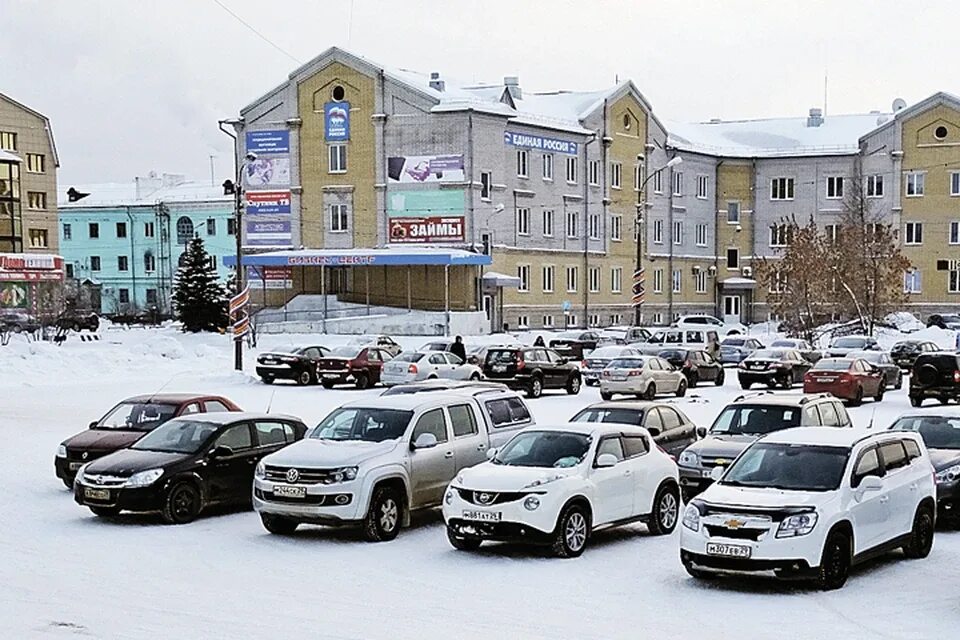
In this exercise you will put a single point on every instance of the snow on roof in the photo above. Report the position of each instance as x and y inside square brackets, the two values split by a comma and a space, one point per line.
[775, 137]
[6, 156]
[142, 191]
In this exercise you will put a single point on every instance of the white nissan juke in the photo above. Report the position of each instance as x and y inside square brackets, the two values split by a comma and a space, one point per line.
[555, 485]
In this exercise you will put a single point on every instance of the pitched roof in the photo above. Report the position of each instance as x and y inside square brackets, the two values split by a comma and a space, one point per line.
[46, 121]
[142, 191]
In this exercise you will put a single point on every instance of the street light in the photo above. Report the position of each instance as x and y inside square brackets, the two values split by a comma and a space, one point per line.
[641, 198]
[237, 125]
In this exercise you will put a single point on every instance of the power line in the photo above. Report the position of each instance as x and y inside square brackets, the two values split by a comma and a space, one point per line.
[257, 33]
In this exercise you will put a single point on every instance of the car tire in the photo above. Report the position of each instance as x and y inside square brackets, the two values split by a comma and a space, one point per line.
[362, 381]
[327, 384]
[463, 543]
[182, 504]
[666, 510]
[879, 396]
[105, 512]
[899, 383]
[535, 390]
[573, 385]
[857, 399]
[304, 378]
[693, 380]
[383, 519]
[916, 401]
[927, 374]
[606, 396]
[834, 562]
[921, 536]
[267, 379]
[591, 383]
[944, 400]
[745, 385]
[76, 327]
[720, 378]
[650, 392]
[682, 388]
[572, 531]
[786, 380]
[67, 483]
[475, 377]
[278, 525]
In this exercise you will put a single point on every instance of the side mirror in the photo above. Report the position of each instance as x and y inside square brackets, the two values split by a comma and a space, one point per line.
[869, 483]
[606, 460]
[563, 360]
[717, 472]
[491, 453]
[92, 425]
[222, 451]
[701, 432]
[424, 441]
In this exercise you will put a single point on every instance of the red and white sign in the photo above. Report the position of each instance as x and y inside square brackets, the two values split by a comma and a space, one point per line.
[270, 277]
[428, 229]
[28, 267]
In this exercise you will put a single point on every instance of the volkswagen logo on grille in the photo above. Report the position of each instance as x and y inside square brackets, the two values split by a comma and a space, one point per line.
[84, 455]
[485, 498]
[292, 475]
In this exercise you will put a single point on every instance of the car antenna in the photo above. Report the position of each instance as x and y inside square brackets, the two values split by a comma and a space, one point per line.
[270, 401]
[870, 426]
[162, 387]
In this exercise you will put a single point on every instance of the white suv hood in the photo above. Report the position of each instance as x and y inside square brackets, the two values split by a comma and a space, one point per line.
[497, 477]
[328, 454]
[718, 494]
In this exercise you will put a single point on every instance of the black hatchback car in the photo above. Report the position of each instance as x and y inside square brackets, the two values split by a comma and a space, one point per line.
[696, 365]
[185, 465]
[532, 369]
[773, 367]
[298, 364]
[905, 352]
[935, 375]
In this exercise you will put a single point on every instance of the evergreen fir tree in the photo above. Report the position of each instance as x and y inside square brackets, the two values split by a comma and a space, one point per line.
[199, 299]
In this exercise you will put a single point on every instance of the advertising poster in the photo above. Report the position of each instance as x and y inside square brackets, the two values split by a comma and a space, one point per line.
[267, 202]
[422, 169]
[273, 141]
[269, 277]
[336, 118]
[552, 145]
[268, 171]
[425, 216]
[14, 295]
[273, 233]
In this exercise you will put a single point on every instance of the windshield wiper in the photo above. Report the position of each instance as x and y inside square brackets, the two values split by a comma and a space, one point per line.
[736, 483]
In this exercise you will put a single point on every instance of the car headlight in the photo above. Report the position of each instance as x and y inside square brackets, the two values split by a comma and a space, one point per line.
[80, 472]
[343, 474]
[949, 474]
[62, 451]
[689, 459]
[261, 470]
[144, 478]
[449, 497]
[542, 481]
[532, 503]
[797, 525]
[691, 518]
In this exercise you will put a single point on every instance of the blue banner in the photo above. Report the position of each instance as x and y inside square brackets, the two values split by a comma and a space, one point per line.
[272, 141]
[273, 233]
[541, 143]
[336, 118]
[267, 202]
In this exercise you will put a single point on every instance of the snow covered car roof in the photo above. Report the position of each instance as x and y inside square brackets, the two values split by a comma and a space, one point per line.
[592, 428]
[824, 436]
[224, 417]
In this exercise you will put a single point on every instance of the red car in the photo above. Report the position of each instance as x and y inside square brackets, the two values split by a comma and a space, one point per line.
[358, 365]
[850, 379]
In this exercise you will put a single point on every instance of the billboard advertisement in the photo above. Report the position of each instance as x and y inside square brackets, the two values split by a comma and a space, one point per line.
[421, 169]
[268, 141]
[425, 216]
[336, 118]
[270, 277]
[540, 143]
[267, 202]
[272, 233]
[14, 295]
[268, 171]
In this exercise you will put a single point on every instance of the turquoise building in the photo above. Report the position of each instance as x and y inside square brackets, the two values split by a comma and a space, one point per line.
[123, 241]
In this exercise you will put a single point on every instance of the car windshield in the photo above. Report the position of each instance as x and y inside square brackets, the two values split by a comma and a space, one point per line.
[938, 432]
[503, 356]
[734, 342]
[363, 423]
[409, 356]
[607, 352]
[434, 346]
[774, 354]
[849, 343]
[177, 436]
[344, 352]
[626, 363]
[544, 449]
[673, 354]
[755, 419]
[906, 346]
[789, 344]
[789, 467]
[869, 356]
[601, 414]
[833, 364]
[139, 416]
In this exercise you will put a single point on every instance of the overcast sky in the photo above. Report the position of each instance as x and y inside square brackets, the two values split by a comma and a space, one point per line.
[138, 85]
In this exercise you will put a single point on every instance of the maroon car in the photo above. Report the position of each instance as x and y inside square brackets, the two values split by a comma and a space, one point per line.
[850, 379]
[128, 422]
[352, 364]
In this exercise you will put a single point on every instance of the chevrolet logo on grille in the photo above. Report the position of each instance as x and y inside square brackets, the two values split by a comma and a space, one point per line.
[734, 523]
[721, 462]
[292, 475]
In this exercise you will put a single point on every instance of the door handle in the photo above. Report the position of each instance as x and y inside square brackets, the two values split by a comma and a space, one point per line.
[448, 454]
[884, 498]
[913, 487]
[481, 447]
[627, 472]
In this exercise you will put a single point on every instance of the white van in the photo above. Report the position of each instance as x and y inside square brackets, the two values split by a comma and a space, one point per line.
[700, 339]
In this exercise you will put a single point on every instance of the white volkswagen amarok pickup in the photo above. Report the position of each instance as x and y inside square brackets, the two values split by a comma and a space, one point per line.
[811, 502]
[371, 462]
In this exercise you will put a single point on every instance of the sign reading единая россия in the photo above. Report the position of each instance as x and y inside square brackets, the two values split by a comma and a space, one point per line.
[540, 143]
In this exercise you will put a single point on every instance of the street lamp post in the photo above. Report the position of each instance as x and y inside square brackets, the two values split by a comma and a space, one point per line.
[639, 221]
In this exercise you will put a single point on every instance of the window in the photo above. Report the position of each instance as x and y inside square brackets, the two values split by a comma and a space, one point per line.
[211, 226]
[338, 218]
[700, 281]
[149, 262]
[954, 232]
[875, 186]
[523, 221]
[121, 229]
[779, 235]
[148, 230]
[507, 411]
[522, 160]
[701, 235]
[831, 231]
[35, 163]
[548, 223]
[213, 261]
[486, 185]
[953, 282]
[151, 296]
[702, 187]
[915, 184]
[462, 419]
[637, 176]
[894, 455]
[594, 320]
[658, 182]
[733, 258]
[867, 465]
[778, 283]
[678, 183]
[571, 224]
[523, 272]
[616, 227]
[677, 280]
[68, 269]
[912, 281]
[548, 278]
[570, 320]
[593, 169]
[955, 183]
[184, 230]
[658, 280]
[658, 232]
[547, 322]
[268, 433]
[616, 279]
[231, 226]
[594, 225]
[67, 231]
[616, 318]
[8, 141]
[573, 276]
[94, 263]
[38, 239]
[658, 318]
[914, 233]
[733, 213]
[593, 279]
[616, 174]
[572, 170]
[548, 167]
[781, 189]
[338, 158]
[122, 263]
[123, 296]
[834, 187]
[36, 200]
[237, 438]
[678, 232]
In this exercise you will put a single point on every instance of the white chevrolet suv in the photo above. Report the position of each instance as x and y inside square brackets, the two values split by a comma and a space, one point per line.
[811, 502]
[555, 485]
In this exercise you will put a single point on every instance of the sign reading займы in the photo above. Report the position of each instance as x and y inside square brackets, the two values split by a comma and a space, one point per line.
[425, 216]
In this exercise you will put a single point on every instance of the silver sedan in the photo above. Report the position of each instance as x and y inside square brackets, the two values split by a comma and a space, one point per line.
[413, 366]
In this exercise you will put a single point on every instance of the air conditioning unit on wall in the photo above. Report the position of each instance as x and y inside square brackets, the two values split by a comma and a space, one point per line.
[696, 269]
[747, 272]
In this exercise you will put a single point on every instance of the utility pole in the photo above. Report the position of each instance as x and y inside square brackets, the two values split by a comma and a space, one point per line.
[638, 274]
[238, 217]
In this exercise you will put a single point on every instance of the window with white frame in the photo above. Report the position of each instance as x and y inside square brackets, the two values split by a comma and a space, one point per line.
[677, 280]
[571, 169]
[548, 278]
[523, 221]
[779, 235]
[573, 278]
[778, 282]
[701, 235]
[35, 163]
[912, 281]
[523, 272]
[953, 282]
[523, 162]
[915, 184]
[523, 322]
[339, 218]
[637, 176]
[594, 225]
[658, 232]
[658, 318]
[572, 224]
[593, 279]
[702, 187]
[834, 187]
[700, 281]
[593, 169]
[733, 212]
[913, 233]
[678, 232]
[616, 319]
[954, 237]
[733, 258]
[149, 263]
[678, 183]
[548, 167]
[616, 279]
[547, 321]
[616, 227]
[571, 320]
[658, 280]
[875, 186]
[658, 182]
[955, 183]
[148, 229]
[831, 231]
[338, 158]
[781, 189]
[548, 223]
[616, 174]
[486, 185]
[594, 320]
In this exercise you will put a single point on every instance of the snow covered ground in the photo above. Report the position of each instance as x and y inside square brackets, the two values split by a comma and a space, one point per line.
[66, 573]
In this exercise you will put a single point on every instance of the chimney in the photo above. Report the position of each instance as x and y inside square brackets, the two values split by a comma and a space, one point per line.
[512, 83]
[815, 119]
[435, 82]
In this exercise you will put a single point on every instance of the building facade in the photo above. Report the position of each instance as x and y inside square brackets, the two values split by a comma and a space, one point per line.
[28, 180]
[126, 240]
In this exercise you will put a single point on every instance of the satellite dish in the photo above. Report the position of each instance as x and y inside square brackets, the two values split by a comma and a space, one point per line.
[899, 104]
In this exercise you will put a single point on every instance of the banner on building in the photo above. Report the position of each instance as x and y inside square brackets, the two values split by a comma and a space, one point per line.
[540, 143]
[423, 169]
[269, 233]
[14, 295]
[272, 141]
[336, 118]
[267, 202]
[267, 171]
[426, 216]
[270, 277]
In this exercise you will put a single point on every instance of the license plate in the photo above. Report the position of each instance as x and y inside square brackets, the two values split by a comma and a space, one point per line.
[618, 378]
[757, 366]
[73, 466]
[707, 473]
[482, 516]
[728, 550]
[290, 492]
[499, 368]
[823, 379]
[96, 494]
[331, 376]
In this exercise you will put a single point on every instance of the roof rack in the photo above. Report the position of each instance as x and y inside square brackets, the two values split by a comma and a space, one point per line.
[753, 395]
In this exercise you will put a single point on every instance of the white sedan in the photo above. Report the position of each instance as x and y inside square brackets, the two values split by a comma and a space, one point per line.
[641, 376]
[556, 485]
[413, 366]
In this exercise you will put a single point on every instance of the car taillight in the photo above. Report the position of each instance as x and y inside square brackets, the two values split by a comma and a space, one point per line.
[956, 376]
[634, 372]
[521, 364]
[687, 363]
[606, 374]
[584, 364]
[412, 368]
[845, 377]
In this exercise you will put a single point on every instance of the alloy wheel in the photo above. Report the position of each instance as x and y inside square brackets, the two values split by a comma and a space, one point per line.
[575, 533]
[668, 511]
[388, 515]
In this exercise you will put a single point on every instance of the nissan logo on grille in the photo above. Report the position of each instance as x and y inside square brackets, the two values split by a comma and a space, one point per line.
[292, 475]
[483, 497]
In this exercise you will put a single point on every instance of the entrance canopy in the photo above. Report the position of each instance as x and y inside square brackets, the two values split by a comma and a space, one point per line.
[738, 283]
[362, 257]
[494, 279]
